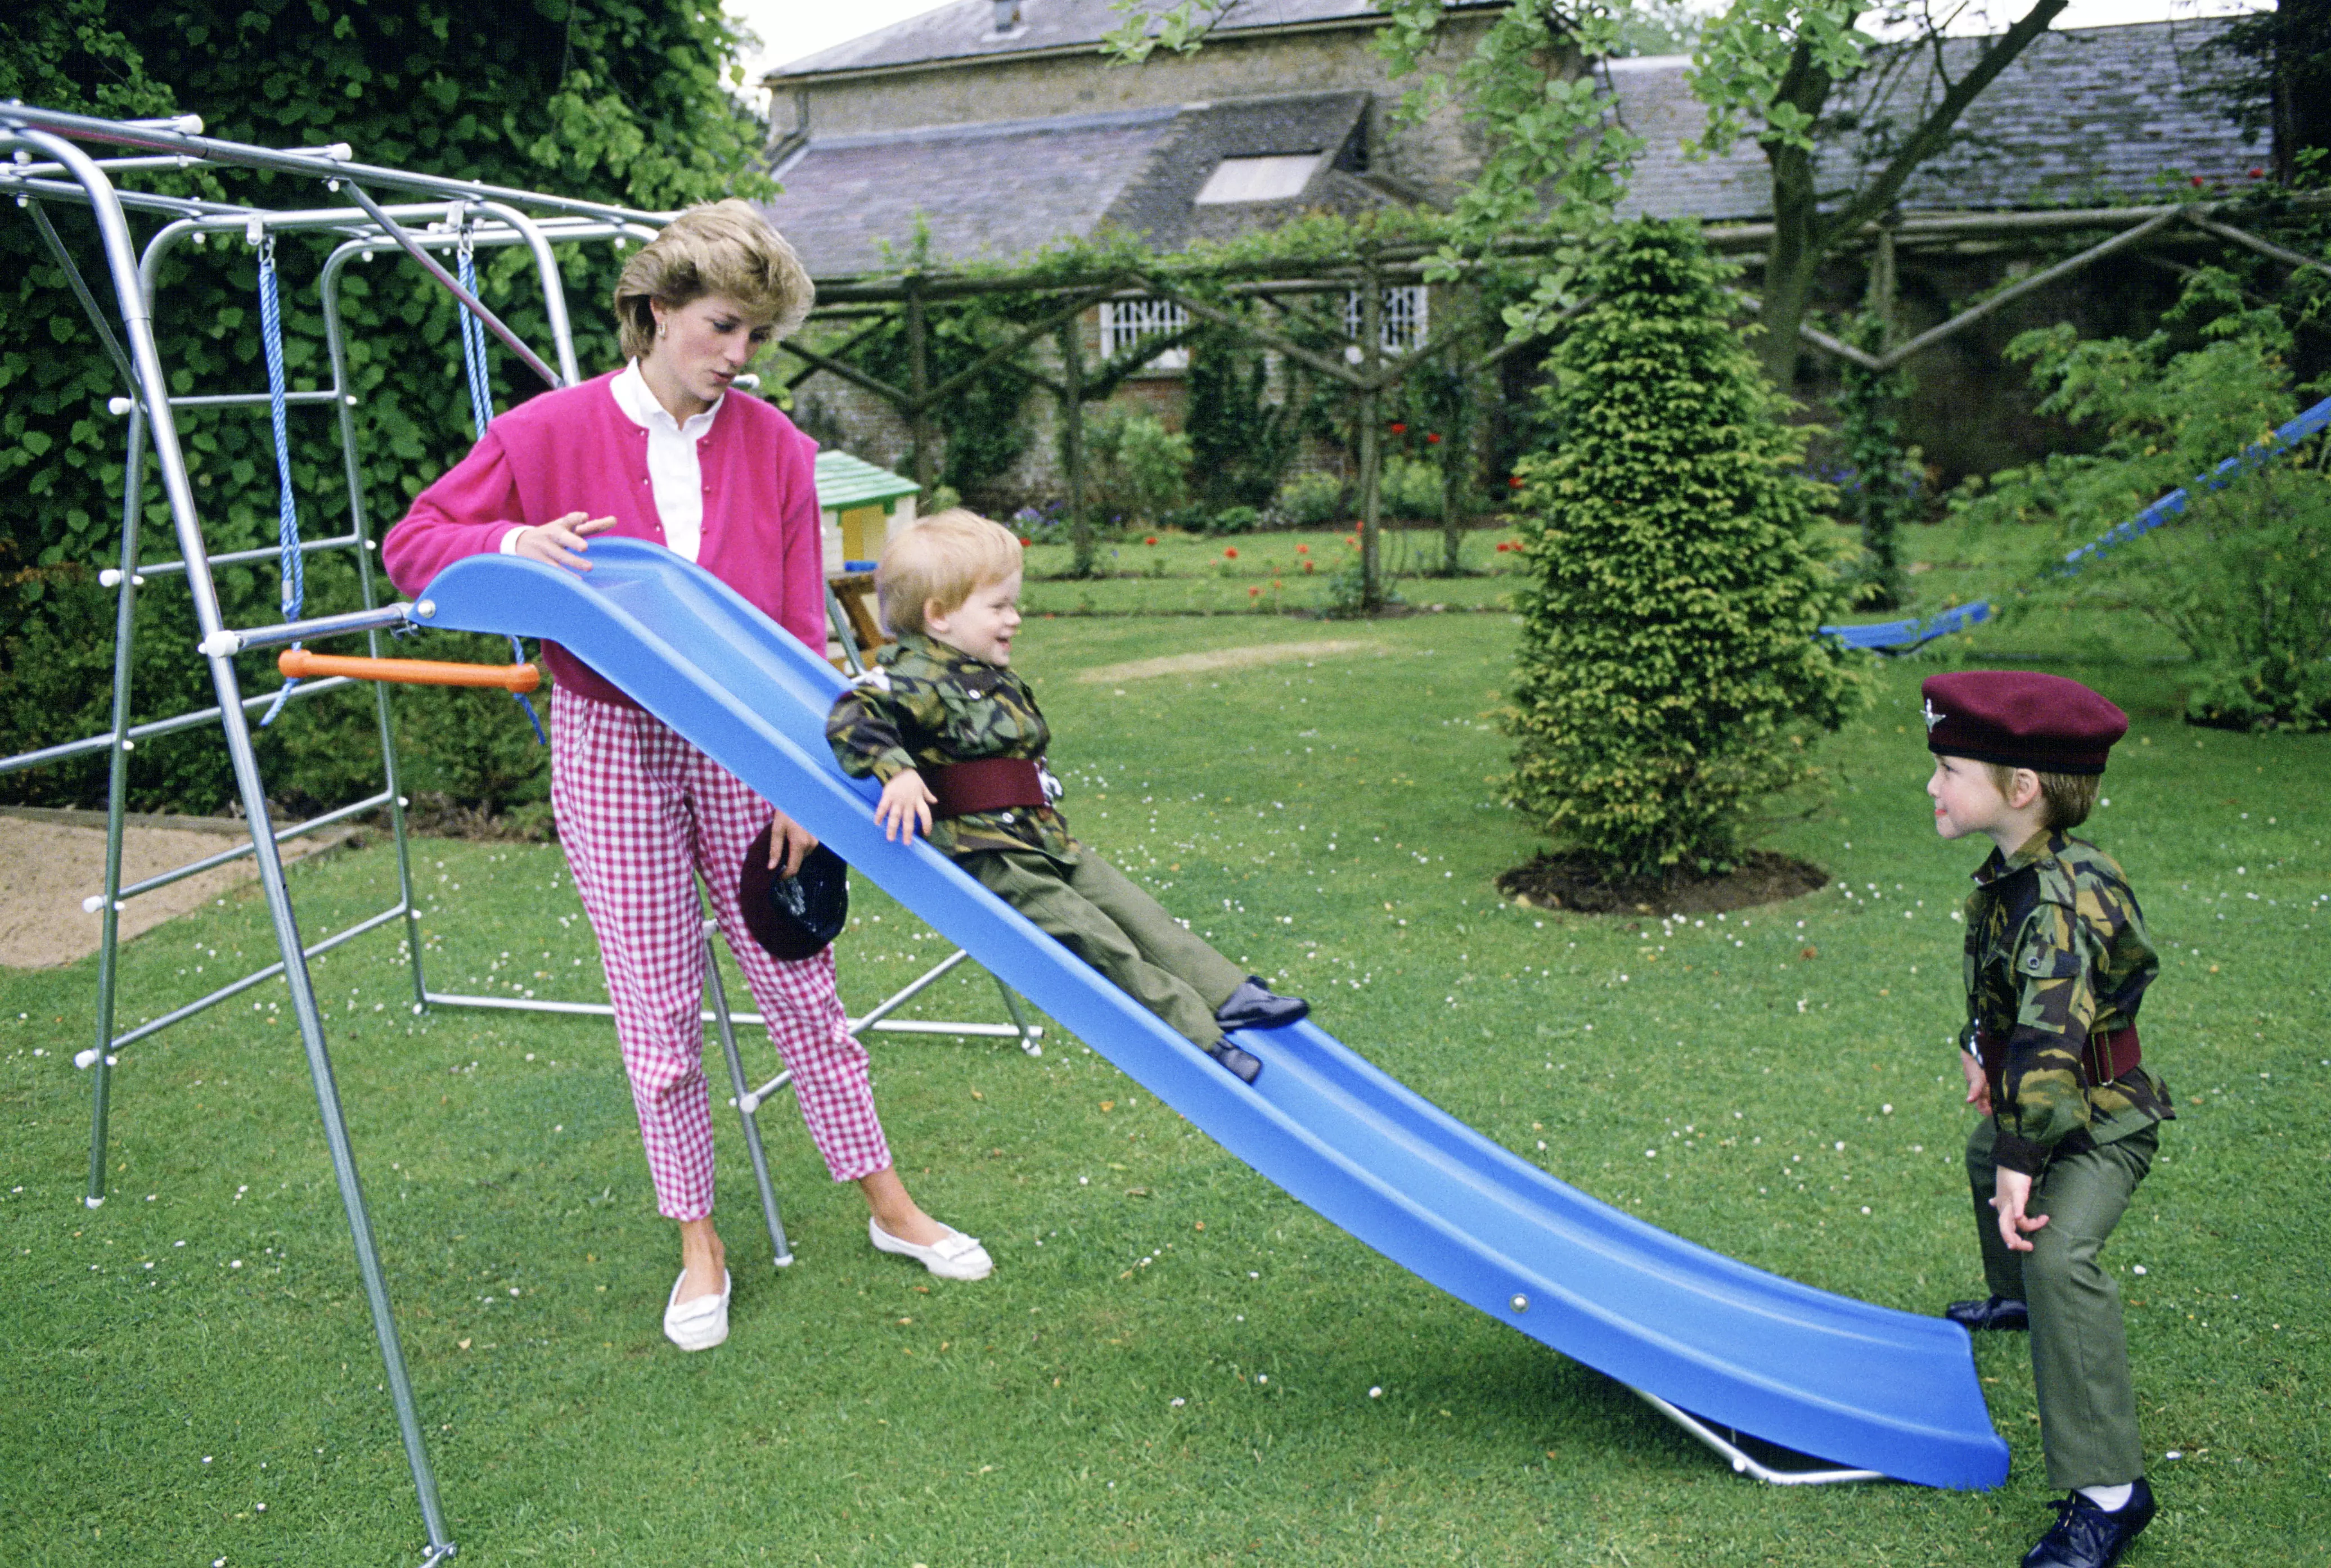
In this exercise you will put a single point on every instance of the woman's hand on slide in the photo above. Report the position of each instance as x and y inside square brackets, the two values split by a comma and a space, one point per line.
[562, 541]
[789, 844]
[905, 807]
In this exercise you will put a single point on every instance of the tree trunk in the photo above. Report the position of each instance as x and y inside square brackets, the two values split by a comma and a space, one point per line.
[1791, 265]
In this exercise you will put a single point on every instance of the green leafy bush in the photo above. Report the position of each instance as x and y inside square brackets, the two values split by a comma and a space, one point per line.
[1669, 671]
[1233, 520]
[1309, 499]
[1410, 490]
[625, 104]
[1141, 469]
[2242, 577]
[1241, 438]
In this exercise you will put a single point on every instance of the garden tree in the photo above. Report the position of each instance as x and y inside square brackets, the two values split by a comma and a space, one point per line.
[1786, 72]
[2283, 86]
[1793, 74]
[625, 100]
[1670, 669]
[2243, 577]
[1881, 495]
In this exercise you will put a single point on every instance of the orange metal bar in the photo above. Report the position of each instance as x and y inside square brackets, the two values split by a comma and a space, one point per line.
[296, 662]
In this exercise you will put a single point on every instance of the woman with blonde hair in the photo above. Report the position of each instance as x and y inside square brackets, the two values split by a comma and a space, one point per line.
[661, 450]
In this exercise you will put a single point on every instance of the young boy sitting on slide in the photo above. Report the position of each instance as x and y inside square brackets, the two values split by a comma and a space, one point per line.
[957, 740]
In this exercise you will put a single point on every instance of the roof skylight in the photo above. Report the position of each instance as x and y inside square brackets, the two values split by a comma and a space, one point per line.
[1273, 177]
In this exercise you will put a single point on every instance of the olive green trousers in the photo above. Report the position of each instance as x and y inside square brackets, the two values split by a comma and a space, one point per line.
[2079, 1344]
[1118, 930]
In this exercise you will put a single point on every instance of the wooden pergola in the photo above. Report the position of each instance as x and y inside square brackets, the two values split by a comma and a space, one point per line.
[1366, 371]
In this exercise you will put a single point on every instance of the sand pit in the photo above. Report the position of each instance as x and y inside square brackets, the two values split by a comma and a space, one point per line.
[1228, 658]
[50, 860]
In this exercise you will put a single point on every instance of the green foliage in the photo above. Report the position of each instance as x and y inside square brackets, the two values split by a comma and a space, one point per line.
[1309, 499]
[623, 102]
[2242, 579]
[979, 422]
[1881, 492]
[1410, 490]
[1669, 673]
[1241, 438]
[1140, 470]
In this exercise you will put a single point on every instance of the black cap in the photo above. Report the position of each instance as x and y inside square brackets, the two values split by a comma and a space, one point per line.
[794, 916]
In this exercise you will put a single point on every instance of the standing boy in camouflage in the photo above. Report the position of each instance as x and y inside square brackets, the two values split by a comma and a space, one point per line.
[959, 744]
[2057, 962]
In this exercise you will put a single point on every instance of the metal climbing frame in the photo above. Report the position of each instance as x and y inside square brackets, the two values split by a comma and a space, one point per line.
[51, 165]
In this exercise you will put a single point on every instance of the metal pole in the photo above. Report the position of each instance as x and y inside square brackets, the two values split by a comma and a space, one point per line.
[117, 787]
[919, 383]
[717, 999]
[345, 403]
[470, 302]
[1371, 416]
[137, 313]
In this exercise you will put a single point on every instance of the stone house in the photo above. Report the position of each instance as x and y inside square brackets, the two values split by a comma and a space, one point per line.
[992, 128]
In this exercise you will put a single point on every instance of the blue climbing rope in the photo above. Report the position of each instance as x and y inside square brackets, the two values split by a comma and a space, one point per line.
[286, 506]
[473, 335]
[481, 405]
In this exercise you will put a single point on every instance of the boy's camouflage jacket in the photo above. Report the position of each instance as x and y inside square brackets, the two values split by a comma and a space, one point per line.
[925, 705]
[2056, 951]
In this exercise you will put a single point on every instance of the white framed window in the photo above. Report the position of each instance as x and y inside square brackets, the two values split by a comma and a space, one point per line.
[1274, 177]
[1405, 315]
[1126, 322]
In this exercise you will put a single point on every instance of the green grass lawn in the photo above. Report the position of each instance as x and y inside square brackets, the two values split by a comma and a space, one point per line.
[1290, 573]
[1173, 1363]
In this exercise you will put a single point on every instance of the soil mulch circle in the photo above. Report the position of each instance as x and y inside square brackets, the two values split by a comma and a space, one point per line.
[1572, 884]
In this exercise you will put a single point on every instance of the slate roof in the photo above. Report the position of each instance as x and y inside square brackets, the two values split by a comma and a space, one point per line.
[2082, 117]
[998, 190]
[2086, 116]
[988, 192]
[967, 30]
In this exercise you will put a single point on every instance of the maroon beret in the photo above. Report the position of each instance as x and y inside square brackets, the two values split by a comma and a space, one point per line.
[2020, 719]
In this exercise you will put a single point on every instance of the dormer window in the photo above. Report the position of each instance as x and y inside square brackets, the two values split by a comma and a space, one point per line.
[1274, 177]
[1007, 17]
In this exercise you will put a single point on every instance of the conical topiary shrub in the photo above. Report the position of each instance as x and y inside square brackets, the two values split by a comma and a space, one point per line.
[1670, 670]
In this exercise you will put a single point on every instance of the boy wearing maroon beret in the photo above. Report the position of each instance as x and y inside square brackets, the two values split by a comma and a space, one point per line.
[2057, 962]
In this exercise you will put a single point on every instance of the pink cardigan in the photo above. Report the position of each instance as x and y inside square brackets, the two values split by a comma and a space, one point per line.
[574, 451]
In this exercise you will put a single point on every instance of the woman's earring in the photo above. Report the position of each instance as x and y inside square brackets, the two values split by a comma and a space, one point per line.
[664, 329]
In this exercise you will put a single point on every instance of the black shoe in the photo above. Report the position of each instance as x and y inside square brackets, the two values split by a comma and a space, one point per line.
[1244, 1066]
[1998, 1311]
[1253, 1006]
[2086, 1536]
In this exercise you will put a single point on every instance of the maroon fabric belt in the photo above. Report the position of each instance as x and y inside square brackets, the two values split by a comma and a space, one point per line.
[991, 785]
[2104, 1058]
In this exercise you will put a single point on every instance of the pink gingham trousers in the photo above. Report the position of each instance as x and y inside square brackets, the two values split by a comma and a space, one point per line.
[639, 809]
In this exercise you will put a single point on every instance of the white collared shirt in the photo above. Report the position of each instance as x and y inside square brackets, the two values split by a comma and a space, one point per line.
[675, 472]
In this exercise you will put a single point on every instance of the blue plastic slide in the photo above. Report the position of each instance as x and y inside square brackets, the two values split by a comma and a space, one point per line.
[1859, 1385]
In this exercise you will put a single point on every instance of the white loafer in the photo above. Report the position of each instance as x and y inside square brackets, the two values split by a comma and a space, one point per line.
[954, 1256]
[700, 1323]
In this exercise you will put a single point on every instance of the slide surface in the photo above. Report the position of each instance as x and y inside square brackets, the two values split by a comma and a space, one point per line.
[1859, 1385]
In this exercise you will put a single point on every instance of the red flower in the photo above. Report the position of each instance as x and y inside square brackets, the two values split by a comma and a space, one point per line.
[2198, 181]
[1503, 546]
[1302, 549]
[1150, 540]
[1254, 593]
[1230, 554]
[1399, 429]
[1306, 566]
[1025, 541]
[1515, 482]
[2258, 174]
[1432, 440]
